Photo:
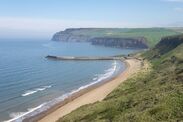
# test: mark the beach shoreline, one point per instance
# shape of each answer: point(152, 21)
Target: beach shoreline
point(94, 93)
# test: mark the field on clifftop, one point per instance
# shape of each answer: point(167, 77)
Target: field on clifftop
point(152, 35)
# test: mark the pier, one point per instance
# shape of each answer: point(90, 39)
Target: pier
point(89, 58)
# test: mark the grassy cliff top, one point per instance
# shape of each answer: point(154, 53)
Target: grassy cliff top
point(152, 35)
point(150, 96)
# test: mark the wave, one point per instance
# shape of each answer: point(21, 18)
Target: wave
point(30, 92)
point(19, 117)
point(99, 77)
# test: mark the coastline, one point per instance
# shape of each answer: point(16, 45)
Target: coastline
point(89, 95)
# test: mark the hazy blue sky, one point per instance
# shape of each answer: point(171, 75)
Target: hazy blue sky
point(41, 18)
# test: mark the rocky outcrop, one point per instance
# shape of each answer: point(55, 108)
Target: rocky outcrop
point(69, 36)
point(120, 42)
point(165, 45)
point(79, 35)
point(168, 43)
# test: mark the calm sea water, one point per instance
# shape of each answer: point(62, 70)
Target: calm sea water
point(28, 80)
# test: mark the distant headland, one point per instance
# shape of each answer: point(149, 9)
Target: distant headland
point(115, 37)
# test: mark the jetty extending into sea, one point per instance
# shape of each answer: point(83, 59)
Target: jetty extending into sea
point(86, 57)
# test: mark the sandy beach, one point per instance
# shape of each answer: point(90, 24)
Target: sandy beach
point(92, 95)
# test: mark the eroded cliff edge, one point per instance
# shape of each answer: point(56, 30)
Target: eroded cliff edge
point(84, 35)
point(120, 42)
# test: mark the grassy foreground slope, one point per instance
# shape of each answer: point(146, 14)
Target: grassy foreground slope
point(150, 96)
point(152, 35)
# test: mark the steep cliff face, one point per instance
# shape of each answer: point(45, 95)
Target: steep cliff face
point(68, 36)
point(168, 43)
point(120, 42)
point(84, 35)
point(164, 46)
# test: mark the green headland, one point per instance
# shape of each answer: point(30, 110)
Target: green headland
point(151, 35)
point(154, 94)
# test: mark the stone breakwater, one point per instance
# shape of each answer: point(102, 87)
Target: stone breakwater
point(83, 58)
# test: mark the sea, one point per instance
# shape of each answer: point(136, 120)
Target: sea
point(31, 83)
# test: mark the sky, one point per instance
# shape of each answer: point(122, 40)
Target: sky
point(42, 18)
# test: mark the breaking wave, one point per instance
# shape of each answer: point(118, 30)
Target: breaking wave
point(30, 92)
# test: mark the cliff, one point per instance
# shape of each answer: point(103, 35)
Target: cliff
point(168, 43)
point(164, 46)
point(69, 36)
point(84, 35)
point(118, 37)
point(120, 42)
